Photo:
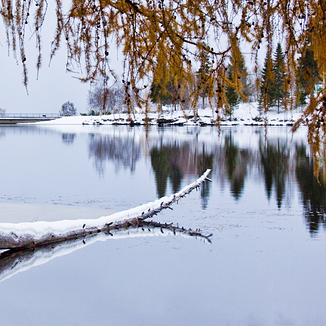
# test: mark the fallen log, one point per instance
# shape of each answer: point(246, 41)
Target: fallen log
point(33, 234)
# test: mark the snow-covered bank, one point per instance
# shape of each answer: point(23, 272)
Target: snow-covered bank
point(244, 114)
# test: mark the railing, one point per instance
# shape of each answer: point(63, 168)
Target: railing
point(29, 115)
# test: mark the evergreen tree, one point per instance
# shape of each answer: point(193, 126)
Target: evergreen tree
point(161, 92)
point(231, 93)
point(272, 90)
point(164, 89)
point(279, 76)
point(266, 98)
point(307, 75)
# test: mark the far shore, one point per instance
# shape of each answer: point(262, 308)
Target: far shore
point(246, 114)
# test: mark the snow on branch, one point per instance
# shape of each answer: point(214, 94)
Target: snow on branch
point(29, 235)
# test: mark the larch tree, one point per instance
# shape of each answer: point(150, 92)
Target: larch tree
point(177, 33)
point(246, 82)
point(203, 77)
point(163, 89)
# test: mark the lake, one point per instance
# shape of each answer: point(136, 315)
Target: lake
point(265, 264)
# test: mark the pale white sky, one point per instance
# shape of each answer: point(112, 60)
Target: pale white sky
point(47, 94)
point(53, 87)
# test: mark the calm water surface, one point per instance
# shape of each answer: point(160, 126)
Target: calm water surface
point(266, 263)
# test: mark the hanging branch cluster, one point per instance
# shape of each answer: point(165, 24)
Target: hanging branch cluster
point(16, 16)
point(164, 40)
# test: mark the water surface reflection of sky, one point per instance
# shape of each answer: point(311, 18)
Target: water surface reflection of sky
point(264, 207)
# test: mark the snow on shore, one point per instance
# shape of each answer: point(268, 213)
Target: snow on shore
point(244, 114)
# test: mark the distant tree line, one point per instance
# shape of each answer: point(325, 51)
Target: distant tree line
point(273, 86)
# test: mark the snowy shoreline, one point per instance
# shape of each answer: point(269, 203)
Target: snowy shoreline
point(246, 114)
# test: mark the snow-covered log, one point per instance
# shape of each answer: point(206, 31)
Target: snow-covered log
point(24, 235)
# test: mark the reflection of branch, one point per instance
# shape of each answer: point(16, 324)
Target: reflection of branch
point(175, 230)
point(18, 260)
point(24, 235)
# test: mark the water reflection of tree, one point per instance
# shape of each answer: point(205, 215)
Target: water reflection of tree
point(275, 164)
point(313, 191)
point(174, 162)
point(68, 138)
point(236, 163)
point(173, 159)
point(122, 152)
